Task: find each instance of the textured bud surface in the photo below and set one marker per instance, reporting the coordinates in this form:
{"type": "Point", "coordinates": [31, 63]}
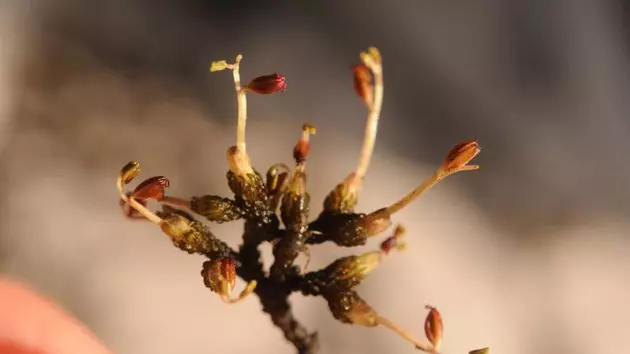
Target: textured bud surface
{"type": "Point", "coordinates": [268, 84]}
{"type": "Point", "coordinates": [215, 208]}
{"type": "Point", "coordinates": [349, 307]}
{"type": "Point", "coordinates": [152, 188]}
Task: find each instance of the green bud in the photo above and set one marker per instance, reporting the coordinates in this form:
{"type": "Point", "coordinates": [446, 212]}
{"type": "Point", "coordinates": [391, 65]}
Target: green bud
{"type": "Point", "coordinates": [340, 200]}
{"type": "Point", "coordinates": [348, 230]}
{"type": "Point", "coordinates": [349, 307]}
{"type": "Point", "coordinates": [295, 209]}
{"type": "Point", "coordinates": [192, 236]}
{"type": "Point", "coordinates": [276, 180]}
{"type": "Point", "coordinates": [251, 196]}
{"type": "Point", "coordinates": [347, 272]}
{"type": "Point", "coordinates": [215, 208]}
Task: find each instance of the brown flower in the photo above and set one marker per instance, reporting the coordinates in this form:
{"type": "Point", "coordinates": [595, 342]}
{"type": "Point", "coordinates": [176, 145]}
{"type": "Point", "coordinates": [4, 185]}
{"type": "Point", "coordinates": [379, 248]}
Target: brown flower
{"type": "Point", "coordinates": [433, 327]}
{"type": "Point", "coordinates": [363, 83]}
{"type": "Point", "coordinates": [303, 146]}
{"type": "Point", "coordinates": [349, 307]}
{"type": "Point", "coordinates": [220, 277]}
{"type": "Point", "coordinates": [152, 188]}
{"type": "Point", "coordinates": [394, 241]}
{"type": "Point", "coordinates": [268, 84]}
{"type": "Point", "coordinates": [460, 155]}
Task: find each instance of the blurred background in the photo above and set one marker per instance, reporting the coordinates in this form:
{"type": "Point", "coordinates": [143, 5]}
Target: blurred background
{"type": "Point", "coordinates": [531, 254]}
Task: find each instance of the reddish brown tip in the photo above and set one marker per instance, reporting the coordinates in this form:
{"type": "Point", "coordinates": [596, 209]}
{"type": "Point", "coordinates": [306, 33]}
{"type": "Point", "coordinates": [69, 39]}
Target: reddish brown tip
{"type": "Point", "coordinates": [268, 84]}
{"type": "Point", "coordinates": [363, 82]}
{"type": "Point", "coordinates": [303, 146]}
{"type": "Point", "coordinates": [152, 188]}
{"type": "Point", "coordinates": [461, 154]}
{"type": "Point", "coordinates": [433, 327]}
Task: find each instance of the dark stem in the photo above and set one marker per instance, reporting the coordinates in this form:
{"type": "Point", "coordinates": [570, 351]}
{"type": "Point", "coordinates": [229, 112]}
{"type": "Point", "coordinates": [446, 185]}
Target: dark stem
{"type": "Point", "coordinates": [275, 301]}
{"type": "Point", "coordinates": [294, 213]}
{"type": "Point", "coordinates": [273, 295]}
{"type": "Point", "coordinates": [284, 253]}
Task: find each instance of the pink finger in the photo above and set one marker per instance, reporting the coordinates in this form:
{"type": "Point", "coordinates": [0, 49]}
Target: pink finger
{"type": "Point", "coordinates": [30, 323]}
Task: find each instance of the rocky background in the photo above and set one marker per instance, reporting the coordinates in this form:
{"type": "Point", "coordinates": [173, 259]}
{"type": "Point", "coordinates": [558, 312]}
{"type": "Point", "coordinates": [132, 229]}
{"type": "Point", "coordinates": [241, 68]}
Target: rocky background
{"type": "Point", "coordinates": [527, 255]}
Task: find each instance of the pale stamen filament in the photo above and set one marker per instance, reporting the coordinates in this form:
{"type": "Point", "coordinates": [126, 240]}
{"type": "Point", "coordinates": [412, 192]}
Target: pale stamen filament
{"type": "Point", "coordinates": [405, 335]}
{"type": "Point", "coordinates": [134, 204]}
{"type": "Point", "coordinates": [436, 178]}
{"type": "Point", "coordinates": [355, 180]}
{"type": "Point", "coordinates": [415, 194]}
{"type": "Point", "coordinates": [175, 202]}
{"type": "Point", "coordinates": [241, 99]}
{"type": "Point", "coordinates": [371, 127]}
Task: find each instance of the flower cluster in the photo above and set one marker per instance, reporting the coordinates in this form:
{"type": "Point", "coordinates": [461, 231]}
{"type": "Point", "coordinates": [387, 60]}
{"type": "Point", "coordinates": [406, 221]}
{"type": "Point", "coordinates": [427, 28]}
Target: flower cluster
{"type": "Point", "coordinates": [276, 209]}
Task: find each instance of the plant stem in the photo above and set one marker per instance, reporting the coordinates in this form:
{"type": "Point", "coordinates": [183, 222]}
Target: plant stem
{"type": "Point", "coordinates": [241, 99]}
{"type": "Point", "coordinates": [371, 127]}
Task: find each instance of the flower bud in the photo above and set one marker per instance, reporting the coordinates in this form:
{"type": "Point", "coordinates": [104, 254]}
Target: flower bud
{"type": "Point", "coordinates": [247, 185]}
{"type": "Point", "coordinates": [303, 146]}
{"type": "Point", "coordinates": [377, 222]}
{"type": "Point", "coordinates": [459, 157]}
{"type": "Point", "coordinates": [276, 183]}
{"type": "Point", "coordinates": [433, 327]}
{"type": "Point", "coordinates": [343, 198]}
{"type": "Point", "coordinates": [215, 208]}
{"type": "Point", "coordinates": [129, 171]}
{"type": "Point", "coordinates": [294, 209]}
{"type": "Point", "coordinates": [181, 232]}
{"type": "Point", "coordinates": [363, 83]}
{"type": "Point", "coordinates": [176, 226]}
{"type": "Point", "coordinates": [349, 307]}
{"type": "Point", "coordinates": [348, 230]}
{"type": "Point", "coordinates": [152, 188]}
{"type": "Point", "coordinates": [192, 236]}
{"type": "Point", "coordinates": [276, 180]}
{"type": "Point", "coordinates": [251, 195]}
{"type": "Point", "coordinates": [268, 84]}
{"type": "Point", "coordinates": [220, 275]}
{"type": "Point", "coordinates": [394, 241]}
{"type": "Point", "coordinates": [347, 272]}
